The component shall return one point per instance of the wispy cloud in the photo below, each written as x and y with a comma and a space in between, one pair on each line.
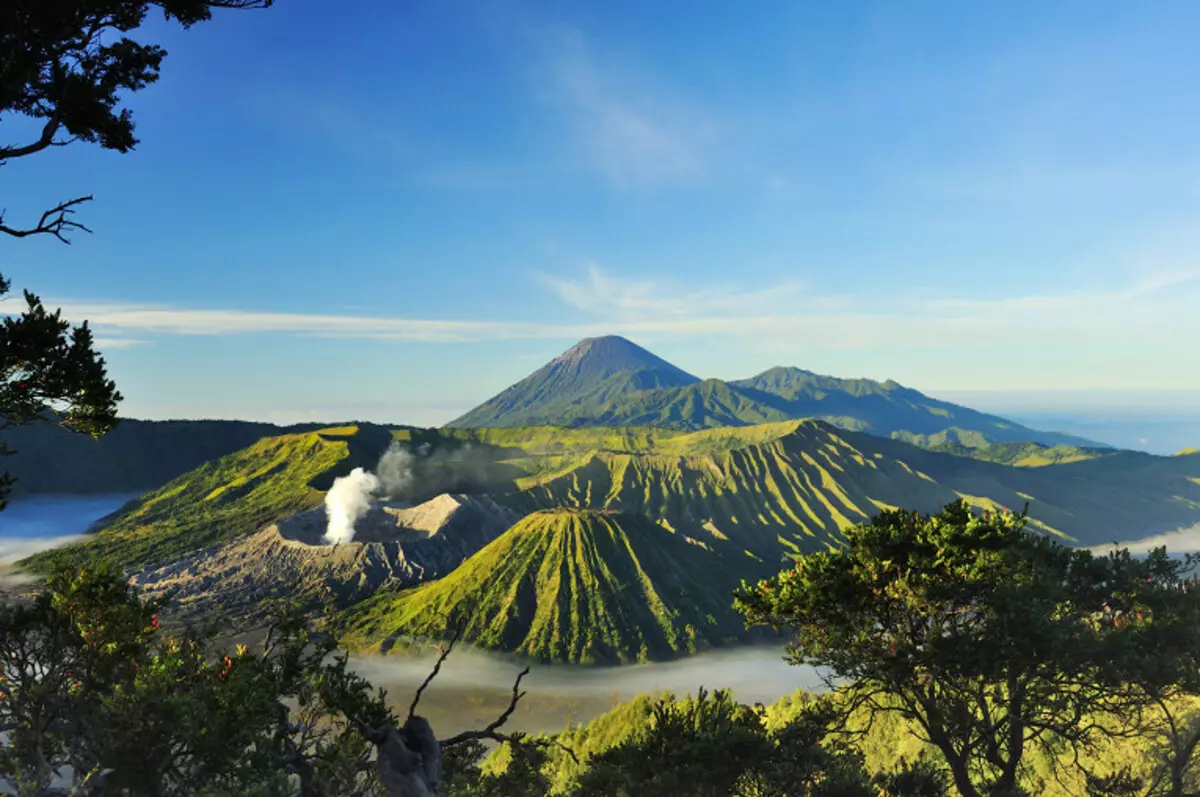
173, 320
630, 129
605, 295
118, 343
1154, 314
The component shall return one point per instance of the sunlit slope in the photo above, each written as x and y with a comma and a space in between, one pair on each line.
569, 586
227, 498
1118, 496
592, 374
784, 487
769, 489
766, 489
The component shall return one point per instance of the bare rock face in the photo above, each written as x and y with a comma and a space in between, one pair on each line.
394, 546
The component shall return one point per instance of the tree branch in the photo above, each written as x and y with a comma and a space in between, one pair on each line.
54, 221
444, 653
490, 731
46, 139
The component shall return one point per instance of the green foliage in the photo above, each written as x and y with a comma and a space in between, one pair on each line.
50, 372
521, 775
994, 641
567, 585
91, 682
65, 65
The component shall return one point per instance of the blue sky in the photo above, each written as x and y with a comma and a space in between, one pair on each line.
394, 211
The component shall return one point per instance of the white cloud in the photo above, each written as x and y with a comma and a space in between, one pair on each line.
120, 317
631, 131
118, 343
620, 298
1141, 334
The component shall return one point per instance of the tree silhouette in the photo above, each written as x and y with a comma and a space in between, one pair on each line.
66, 65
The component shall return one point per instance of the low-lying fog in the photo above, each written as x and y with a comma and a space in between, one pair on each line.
473, 687
36, 523
1178, 543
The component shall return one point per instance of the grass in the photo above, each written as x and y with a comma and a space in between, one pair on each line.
567, 585
766, 491
219, 501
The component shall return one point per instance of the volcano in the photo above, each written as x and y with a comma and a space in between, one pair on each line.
395, 545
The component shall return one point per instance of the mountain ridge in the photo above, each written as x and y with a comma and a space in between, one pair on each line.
610, 381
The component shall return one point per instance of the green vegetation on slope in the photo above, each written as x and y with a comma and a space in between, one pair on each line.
771, 490
1021, 455
778, 489
222, 500
572, 586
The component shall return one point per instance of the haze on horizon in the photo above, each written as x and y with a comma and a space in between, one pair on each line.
393, 212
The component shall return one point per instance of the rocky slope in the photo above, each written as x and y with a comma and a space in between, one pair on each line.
395, 546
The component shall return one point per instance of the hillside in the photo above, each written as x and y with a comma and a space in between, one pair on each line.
568, 585
221, 500
136, 455
791, 486
768, 489
612, 382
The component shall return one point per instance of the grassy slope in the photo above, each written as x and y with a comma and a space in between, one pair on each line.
572, 586
1021, 455
223, 499
769, 489
790, 486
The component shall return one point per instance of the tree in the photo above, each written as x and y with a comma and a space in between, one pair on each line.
62, 68
50, 371
713, 746
989, 639
98, 697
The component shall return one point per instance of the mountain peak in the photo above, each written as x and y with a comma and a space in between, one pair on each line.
580, 382
610, 354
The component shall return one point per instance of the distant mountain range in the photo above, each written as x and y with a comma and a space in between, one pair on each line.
610, 381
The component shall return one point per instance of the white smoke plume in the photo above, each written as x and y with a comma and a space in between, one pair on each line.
400, 474
347, 500
395, 471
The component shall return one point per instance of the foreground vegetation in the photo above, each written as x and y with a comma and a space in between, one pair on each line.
965, 653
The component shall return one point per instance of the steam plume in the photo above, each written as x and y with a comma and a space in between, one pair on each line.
401, 474
345, 503
395, 471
